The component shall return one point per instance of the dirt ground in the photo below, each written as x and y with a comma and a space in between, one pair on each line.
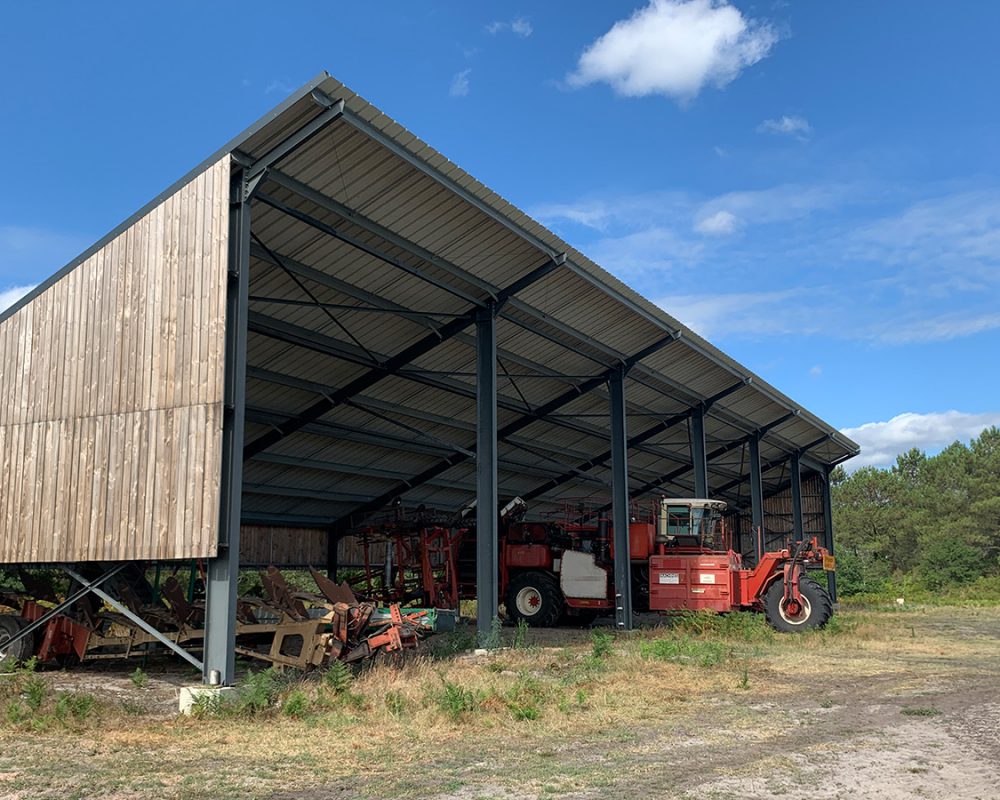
905, 706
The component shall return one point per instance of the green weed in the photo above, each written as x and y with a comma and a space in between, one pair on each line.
456, 701
395, 702
36, 689
258, 692
685, 650
338, 677
520, 635
139, 678
296, 704
600, 643
919, 712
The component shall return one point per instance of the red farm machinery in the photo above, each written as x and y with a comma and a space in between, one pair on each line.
561, 572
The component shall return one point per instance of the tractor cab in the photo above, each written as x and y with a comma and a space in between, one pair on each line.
691, 523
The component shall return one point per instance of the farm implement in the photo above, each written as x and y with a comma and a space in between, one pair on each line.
284, 627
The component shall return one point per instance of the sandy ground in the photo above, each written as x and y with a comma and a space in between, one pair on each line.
911, 714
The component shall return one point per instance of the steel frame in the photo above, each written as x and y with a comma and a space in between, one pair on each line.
796, 480
620, 500
219, 666
487, 541
692, 398
699, 461
831, 576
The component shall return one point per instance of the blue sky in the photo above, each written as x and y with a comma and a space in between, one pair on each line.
812, 186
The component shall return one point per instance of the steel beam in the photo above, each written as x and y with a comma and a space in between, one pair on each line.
391, 366
643, 310
333, 110
620, 501
796, 478
223, 570
512, 427
831, 576
774, 462
535, 315
756, 485
86, 587
634, 442
670, 476
699, 459
487, 541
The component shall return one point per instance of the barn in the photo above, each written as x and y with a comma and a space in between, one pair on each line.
327, 317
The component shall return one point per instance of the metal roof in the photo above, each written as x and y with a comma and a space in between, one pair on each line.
354, 218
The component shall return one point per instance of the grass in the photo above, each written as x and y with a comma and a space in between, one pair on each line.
277, 734
919, 711
984, 592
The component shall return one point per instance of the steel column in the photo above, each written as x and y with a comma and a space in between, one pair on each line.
620, 513
831, 577
796, 478
699, 459
223, 570
756, 487
487, 542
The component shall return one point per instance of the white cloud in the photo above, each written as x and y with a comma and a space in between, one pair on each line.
792, 126
675, 48
279, 87
935, 328
721, 223
881, 442
746, 313
460, 83
865, 261
816, 371
10, 296
519, 26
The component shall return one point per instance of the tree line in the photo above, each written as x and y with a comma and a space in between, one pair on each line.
929, 523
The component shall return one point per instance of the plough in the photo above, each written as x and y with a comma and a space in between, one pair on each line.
284, 627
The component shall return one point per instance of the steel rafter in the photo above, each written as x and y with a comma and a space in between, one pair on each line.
633, 443
670, 476
306, 338
391, 365
367, 128
519, 424
611, 356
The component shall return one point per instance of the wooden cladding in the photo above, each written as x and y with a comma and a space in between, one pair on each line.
111, 385
778, 517
264, 546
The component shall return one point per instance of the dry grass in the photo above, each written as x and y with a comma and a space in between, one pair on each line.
508, 714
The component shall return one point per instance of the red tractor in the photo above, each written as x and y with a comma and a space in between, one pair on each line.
682, 559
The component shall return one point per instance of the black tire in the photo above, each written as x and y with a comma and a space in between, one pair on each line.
534, 597
20, 651
817, 608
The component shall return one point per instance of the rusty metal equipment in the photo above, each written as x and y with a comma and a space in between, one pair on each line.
561, 570
285, 627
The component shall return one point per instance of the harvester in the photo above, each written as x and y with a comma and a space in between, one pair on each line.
683, 560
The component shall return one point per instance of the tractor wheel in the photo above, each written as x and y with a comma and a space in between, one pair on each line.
534, 597
814, 612
20, 651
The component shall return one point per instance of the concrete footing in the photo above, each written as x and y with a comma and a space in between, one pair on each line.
193, 698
